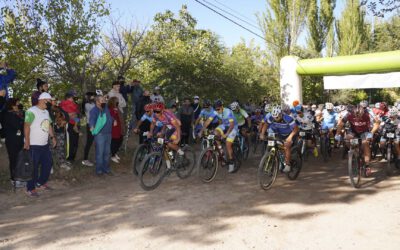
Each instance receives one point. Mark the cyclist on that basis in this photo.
(171, 127)
(243, 119)
(329, 119)
(144, 123)
(256, 120)
(304, 120)
(205, 113)
(285, 127)
(227, 129)
(360, 124)
(391, 123)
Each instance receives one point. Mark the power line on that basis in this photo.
(238, 24)
(238, 13)
(227, 12)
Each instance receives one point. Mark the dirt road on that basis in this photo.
(318, 211)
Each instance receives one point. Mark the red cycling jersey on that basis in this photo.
(361, 124)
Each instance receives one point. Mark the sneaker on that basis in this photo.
(87, 163)
(109, 173)
(231, 167)
(52, 171)
(287, 168)
(117, 156)
(65, 166)
(20, 184)
(32, 193)
(114, 159)
(44, 187)
(315, 152)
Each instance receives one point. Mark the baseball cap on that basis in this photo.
(196, 97)
(44, 96)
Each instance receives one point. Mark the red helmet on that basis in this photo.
(159, 106)
(383, 106)
(148, 107)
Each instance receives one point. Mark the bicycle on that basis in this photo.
(207, 139)
(390, 137)
(325, 144)
(302, 143)
(241, 146)
(211, 157)
(161, 163)
(274, 159)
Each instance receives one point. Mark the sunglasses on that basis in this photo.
(157, 111)
(218, 109)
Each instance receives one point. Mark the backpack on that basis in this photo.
(24, 167)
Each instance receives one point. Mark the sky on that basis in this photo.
(142, 12)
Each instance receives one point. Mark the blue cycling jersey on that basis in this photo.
(330, 119)
(284, 127)
(146, 117)
(226, 117)
(205, 114)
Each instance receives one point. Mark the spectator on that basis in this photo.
(60, 119)
(37, 131)
(124, 90)
(102, 134)
(137, 93)
(196, 107)
(156, 97)
(72, 109)
(116, 133)
(7, 76)
(186, 115)
(13, 123)
(115, 92)
(2, 102)
(41, 86)
(89, 104)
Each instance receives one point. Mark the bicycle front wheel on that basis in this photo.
(186, 165)
(140, 153)
(152, 171)
(207, 165)
(354, 169)
(267, 170)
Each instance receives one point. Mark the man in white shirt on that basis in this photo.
(156, 97)
(37, 130)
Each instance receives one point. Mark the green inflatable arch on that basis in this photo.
(375, 63)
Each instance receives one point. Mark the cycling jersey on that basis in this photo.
(241, 116)
(146, 117)
(359, 125)
(166, 119)
(205, 114)
(256, 118)
(226, 117)
(284, 127)
(330, 119)
(304, 121)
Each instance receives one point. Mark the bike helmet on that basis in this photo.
(257, 110)
(276, 111)
(393, 111)
(159, 106)
(296, 103)
(336, 109)
(313, 107)
(342, 107)
(206, 103)
(234, 105)
(364, 103)
(218, 104)
(267, 108)
(359, 110)
(148, 107)
(318, 112)
(329, 106)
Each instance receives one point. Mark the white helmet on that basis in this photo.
(364, 104)
(318, 112)
(342, 107)
(276, 111)
(393, 111)
(234, 105)
(377, 105)
(329, 105)
(336, 109)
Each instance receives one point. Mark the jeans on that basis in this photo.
(40, 155)
(103, 145)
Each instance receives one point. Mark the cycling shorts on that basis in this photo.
(223, 129)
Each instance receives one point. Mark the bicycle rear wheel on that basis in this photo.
(354, 169)
(267, 170)
(207, 165)
(185, 167)
(296, 165)
(237, 157)
(152, 171)
(390, 160)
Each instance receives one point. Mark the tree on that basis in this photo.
(319, 22)
(351, 29)
(381, 7)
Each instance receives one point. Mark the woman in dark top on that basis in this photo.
(13, 123)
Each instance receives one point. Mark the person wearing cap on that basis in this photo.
(72, 108)
(37, 131)
(156, 96)
(42, 86)
(137, 94)
(196, 107)
(186, 115)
